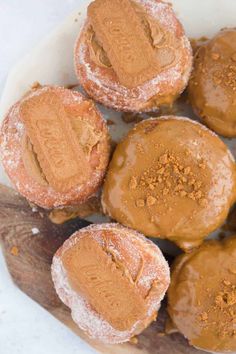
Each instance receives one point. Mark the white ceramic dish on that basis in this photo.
(51, 62)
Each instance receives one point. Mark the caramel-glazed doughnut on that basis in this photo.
(212, 88)
(172, 178)
(146, 60)
(202, 296)
(112, 278)
(55, 147)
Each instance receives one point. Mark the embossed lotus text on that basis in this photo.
(94, 275)
(119, 29)
(54, 141)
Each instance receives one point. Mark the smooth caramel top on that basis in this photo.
(170, 178)
(202, 296)
(212, 88)
(58, 151)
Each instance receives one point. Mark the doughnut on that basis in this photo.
(54, 146)
(145, 62)
(172, 178)
(113, 280)
(202, 296)
(212, 88)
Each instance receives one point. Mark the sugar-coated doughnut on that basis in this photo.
(112, 278)
(165, 37)
(54, 147)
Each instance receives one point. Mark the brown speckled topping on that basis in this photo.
(170, 178)
(212, 88)
(202, 296)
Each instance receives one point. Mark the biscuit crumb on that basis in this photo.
(14, 251)
(204, 316)
(36, 85)
(183, 194)
(187, 170)
(140, 203)
(226, 282)
(163, 159)
(110, 122)
(133, 183)
(151, 200)
(215, 56)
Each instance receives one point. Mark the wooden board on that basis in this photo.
(30, 270)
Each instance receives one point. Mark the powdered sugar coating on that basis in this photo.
(12, 131)
(102, 84)
(127, 245)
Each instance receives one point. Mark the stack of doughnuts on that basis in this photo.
(170, 177)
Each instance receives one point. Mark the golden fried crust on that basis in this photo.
(212, 88)
(171, 178)
(202, 296)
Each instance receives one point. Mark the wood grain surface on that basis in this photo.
(28, 257)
